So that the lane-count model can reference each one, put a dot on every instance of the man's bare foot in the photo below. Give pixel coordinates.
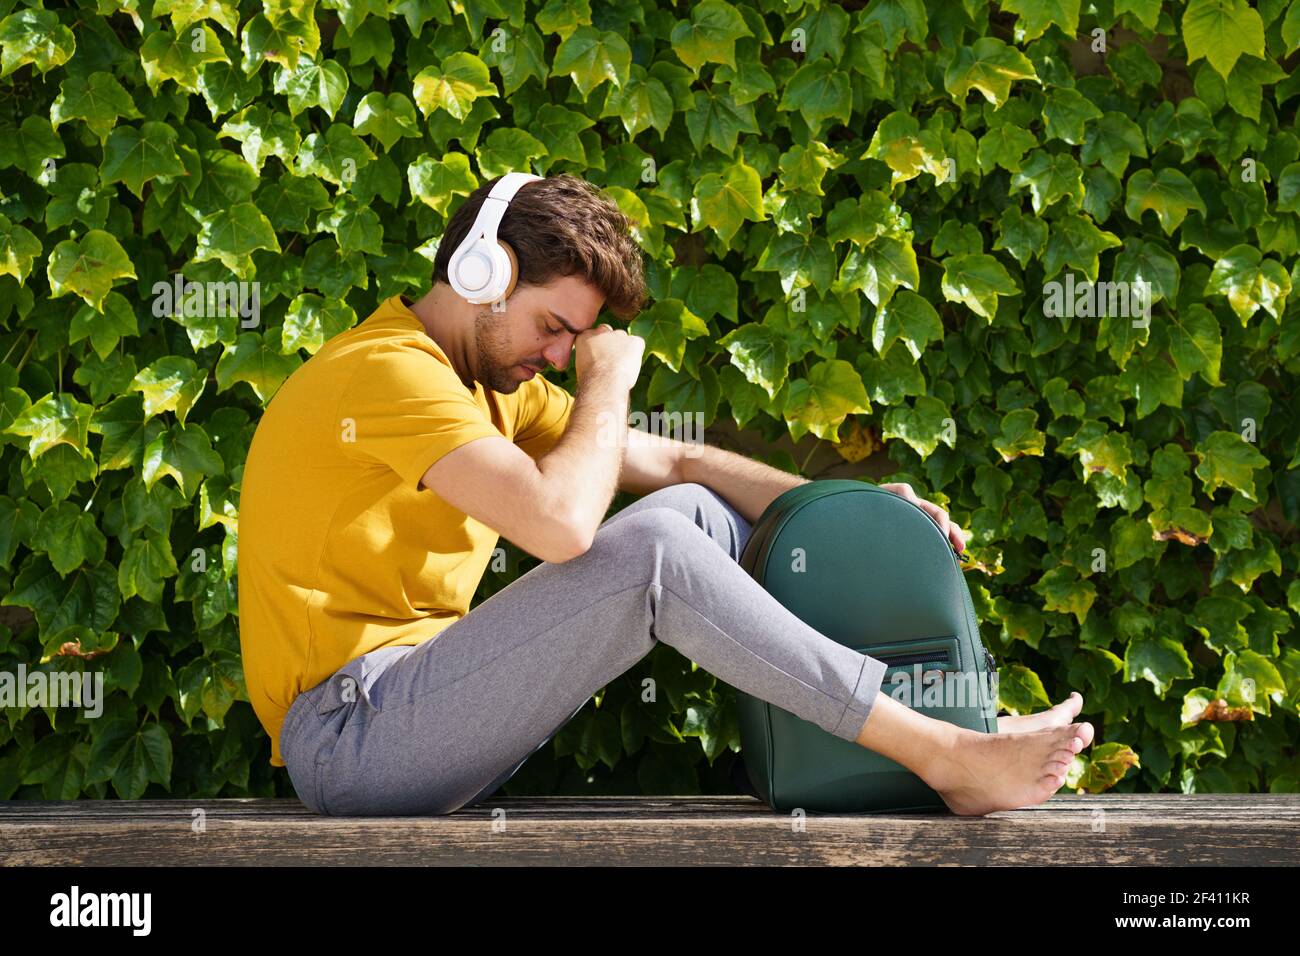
(1058, 716)
(981, 773)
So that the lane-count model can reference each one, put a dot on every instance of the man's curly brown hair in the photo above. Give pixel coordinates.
(560, 226)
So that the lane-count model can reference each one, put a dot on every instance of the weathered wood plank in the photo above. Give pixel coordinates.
(1284, 806)
(1119, 829)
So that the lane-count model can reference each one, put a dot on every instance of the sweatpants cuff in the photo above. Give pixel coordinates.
(862, 699)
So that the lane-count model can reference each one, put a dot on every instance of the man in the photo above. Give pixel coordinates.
(386, 468)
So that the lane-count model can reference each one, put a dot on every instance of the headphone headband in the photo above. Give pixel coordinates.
(480, 270)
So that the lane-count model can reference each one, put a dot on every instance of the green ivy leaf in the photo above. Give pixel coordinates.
(800, 260)
(1249, 680)
(1050, 177)
(1022, 236)
(183, 453)
(683, 392)
(1169, 492)
(1020, 690)
(232, 235)
(136, 156)
(1157, 658)
(1168, 193)
(989, 66)
(1099, 450)
(177, 56)
(1219, 618)
(36, 37)
(336, 157)
(524, 57)
(879, 269)
(1017, 435)
(312, 321)
(832, 391)
(976, 281)
(264, 133)
(68, 534)
(818, 92)
(642, 103)
(1148, 11)
(710, 35)
(1221, 31)
(171, 384)
(1112, 141)
(717, 121)
(258, 360)
(82, 603)
(1037, 15)
(759, 353)
(1250, 282)
(280, 42)
(507, 150)
(387, 118)
(900, 143)
(1004, 146)
(436, 182)
(1066, 113)
(1196, 343)
(1291, 28)
(1106, 765)
(1228, 461)
(1076, 241)
(18, 249)
(909, 319)
(99, 101)
(53, 420)
(145, 566)
(1063, 591)
(666, 326)
(356, 227)
(453, 85)
(707, 291)
(591, 57)
(724, 201)
(1153, 381)
(923, 426)
(88, 267)
(131, 757)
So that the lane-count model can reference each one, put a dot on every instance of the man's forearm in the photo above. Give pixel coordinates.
(748, 486)
(581, 471)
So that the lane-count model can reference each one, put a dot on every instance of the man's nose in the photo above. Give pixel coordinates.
(558, 354)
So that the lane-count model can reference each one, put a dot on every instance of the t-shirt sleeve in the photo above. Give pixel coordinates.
(543, 415)
(406, 409)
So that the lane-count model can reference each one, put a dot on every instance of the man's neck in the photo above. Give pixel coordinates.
(433, 309)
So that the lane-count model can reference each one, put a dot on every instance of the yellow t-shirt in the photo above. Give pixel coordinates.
(341, 550)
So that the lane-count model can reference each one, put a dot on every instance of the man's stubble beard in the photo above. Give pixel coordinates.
(490, 346)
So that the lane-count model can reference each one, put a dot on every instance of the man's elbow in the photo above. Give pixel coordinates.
(578, 546)
(572, 540)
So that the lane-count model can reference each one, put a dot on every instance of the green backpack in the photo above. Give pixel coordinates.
(870, 570)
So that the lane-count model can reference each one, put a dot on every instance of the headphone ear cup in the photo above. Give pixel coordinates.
(467, 272)
(513, 268)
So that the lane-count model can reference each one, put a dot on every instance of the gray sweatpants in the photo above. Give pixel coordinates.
(431, 728)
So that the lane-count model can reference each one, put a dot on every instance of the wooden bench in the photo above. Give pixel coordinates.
(1111, 829)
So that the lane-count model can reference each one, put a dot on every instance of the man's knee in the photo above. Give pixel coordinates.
(684, 496)
(638, 543)
(636, 529)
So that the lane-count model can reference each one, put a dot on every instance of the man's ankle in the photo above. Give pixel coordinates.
(942, 755)
(925, 745)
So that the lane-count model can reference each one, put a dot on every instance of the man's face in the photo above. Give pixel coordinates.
(537, 329)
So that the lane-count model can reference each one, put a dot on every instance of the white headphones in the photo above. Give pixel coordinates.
(483, 269)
